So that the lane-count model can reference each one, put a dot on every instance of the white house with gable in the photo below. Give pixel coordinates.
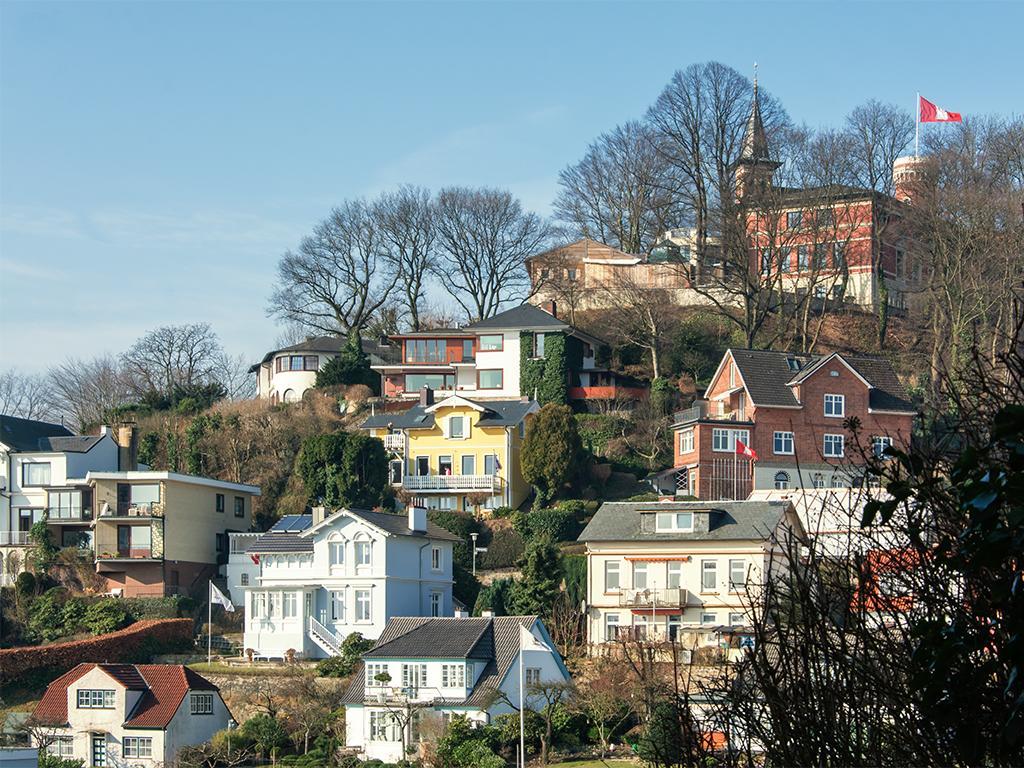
(424, 669)
(350, 571)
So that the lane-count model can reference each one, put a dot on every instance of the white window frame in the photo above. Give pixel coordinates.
(729, 436)
(364, 606)
(62, 746)
(686, 440)
(461, 421)
(640, 574)
(453, 675)
(289, 605)
(200, 703)
(671, 522)
(95, 698)
(28, 466)
(835, 405)
(708, 567)
(612, 567)
(436, 603)
(736, 619)
(737, 566)
(414, 676)
(436, 561)
(363, 547)
(708, 618)
(374, 668)
(878, 444)
(336, 553)
(779, 443)
(138, 746)
(828, 446)
(674, 575)
(338, 606)
(611, 620)
(781, 480)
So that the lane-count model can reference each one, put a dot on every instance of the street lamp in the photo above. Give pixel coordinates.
(473, 537)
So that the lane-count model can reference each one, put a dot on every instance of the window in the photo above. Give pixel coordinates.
(91, 698)
(435, 558)
(201, 703)
(259, 605)
(220, 543)
(837, 482)
(220, 502)
(833, 446)
(336, 549)
(611, 627)
(611, 575)
(838, 255)
(820, 257)
(639, 575)
(783, 442)
(802, 260)
(453, 675)
(878, 445)
(373, 669)
(737, 574)
(794, 218)
(425, 350)
(781, 481)
(826, 218)
(383, 726)
(686, 441)
(363, 553)
(62, 746)
(708, 575)
(571, 274)
(835, 405)
(492, 343)
(138, 746)
(538, 345)
(785, 259)
(416, 381)
(469, 465)
(818, 481)
(766, 261)
(414, 676)
(708, 617)
(724, 440)
(456, 427)
(244, 579)
(490, 379)
(274, 604)
(291, 605)
(67, 505)
(900, 261)
(673, 521)
(239, 506)
(35, 473)
(362, 605)
(675, 575)
(338, 605)
(435, 603)
(736, 619)
(533, 675)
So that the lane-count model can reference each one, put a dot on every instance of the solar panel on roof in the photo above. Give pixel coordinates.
(292, 523)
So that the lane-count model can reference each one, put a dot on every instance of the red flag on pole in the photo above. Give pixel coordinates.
(745, 450)
(932, 113)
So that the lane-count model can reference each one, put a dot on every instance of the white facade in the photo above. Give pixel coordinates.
(346, 574)
(379, 725)
(286, 376)
(241, 570)
(101, 735)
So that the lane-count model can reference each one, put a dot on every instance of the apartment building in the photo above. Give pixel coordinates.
(671, 571)
(457, 453)
(326, 576)
(429, 669)
(791, 410)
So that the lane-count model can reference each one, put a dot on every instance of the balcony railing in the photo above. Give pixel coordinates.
(13, 538)
(489, 483)
(58, 516)
(240, 542)
(128, 553)
(674, 597)
(134, 509)
(704, 410)
(394, 442)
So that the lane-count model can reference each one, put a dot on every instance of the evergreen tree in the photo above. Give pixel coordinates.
(344, 469)
(552, 452)
(536, 591)
(351, 366)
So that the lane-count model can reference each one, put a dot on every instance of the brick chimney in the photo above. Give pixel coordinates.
(127, 438)
(426, 396)
(319, 513)
(550, 307)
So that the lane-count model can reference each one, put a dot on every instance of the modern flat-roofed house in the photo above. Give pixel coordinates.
(325, 577)
(127, 714)
(671, 571)
(429, 668)
(791, 410)
(452, 452)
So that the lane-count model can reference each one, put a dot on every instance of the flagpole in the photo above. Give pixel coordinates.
(522, 727)
(209, 623)
(735, 472)
(917, 123)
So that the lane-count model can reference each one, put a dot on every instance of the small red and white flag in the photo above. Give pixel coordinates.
(745, 450)
(933, 113)
(255, 559)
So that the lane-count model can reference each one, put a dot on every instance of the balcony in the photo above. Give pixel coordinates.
(133, 509)
(129, 553)
(487, 483)
(240, 542)
(68, 517)
(674, 597)
(395, 443)
(13, 538)
(702, 410)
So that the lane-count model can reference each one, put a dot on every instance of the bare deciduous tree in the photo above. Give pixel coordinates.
(25, 395)
(406, 221)
(485, 237)
(878, 133)
(338, 278)
(173, 356)
(642, 316)
(86, 391)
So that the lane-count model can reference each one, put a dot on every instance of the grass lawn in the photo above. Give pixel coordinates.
(245, 670)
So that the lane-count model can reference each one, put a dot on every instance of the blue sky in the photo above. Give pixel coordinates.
(157, 158)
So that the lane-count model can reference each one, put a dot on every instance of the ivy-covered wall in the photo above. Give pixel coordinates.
(546, 377)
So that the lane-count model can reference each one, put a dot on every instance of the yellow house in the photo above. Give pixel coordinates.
(452, 453)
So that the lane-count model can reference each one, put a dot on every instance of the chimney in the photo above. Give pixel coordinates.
(426, 396)
(488, 614)
(319, 513)
(127, 438)
(417, 519)
(550, 307)
(460, 614)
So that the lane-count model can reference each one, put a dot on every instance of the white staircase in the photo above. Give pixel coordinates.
(322, 636)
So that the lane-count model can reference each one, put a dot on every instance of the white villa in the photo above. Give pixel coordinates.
(118, 715)
(351, 571)
(425, 669)
(681, 571)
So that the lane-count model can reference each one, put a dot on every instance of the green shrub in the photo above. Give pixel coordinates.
(266, 733)
(352, 647)
(140, 608)
(25, 585)
(105, 616)
(504, 549)
(460, 524)
(46, 760)
(496, 597)
(553, 524)
(503, 512)
(46, 615)
(466, 587)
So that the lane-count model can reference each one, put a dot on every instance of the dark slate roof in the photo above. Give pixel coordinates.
(26, 434)
(500, 413)
(379, 354)
(768, 375)
(755, 141)
(439, 638)
(274, 541)
(727, 521)
(399, 525)
(524, 316)
(72, 444)
(498, 643)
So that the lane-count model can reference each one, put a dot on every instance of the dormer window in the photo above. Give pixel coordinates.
(457, 427)
(92, 698)
(793, 363)
(670, 522)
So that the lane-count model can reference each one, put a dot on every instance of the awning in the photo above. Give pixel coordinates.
(658, 611)
(659, 558)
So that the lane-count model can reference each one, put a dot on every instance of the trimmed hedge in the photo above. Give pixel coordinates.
(142, 639)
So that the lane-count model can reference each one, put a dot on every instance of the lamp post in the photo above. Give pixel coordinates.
(473, 537)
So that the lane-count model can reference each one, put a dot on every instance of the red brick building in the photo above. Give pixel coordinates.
(791, 409)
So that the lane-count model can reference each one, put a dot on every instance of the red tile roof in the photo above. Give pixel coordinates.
(164, 687)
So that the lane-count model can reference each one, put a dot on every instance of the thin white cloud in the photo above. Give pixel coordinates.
(20, 269)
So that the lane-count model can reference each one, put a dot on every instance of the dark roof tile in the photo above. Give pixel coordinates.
(26, 434)
(728, 520)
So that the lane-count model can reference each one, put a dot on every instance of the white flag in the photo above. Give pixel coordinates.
(218, 598)
(528, 642)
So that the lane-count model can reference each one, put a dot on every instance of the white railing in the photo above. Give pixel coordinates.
(489, 483)
(240, 542)
(674, 597)
(322, 634)
(394, 442)
(13, 538)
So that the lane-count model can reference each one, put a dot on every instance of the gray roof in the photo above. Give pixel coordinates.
(299, 539)
(26, 434)
(524, 316)
(379, 354)
(275, 541)
(499, 413)
(71, 444)
(726, 520)
(398, 525)
(768, 374)
(497, 641)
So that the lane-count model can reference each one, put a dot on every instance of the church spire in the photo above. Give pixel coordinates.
(755, 165)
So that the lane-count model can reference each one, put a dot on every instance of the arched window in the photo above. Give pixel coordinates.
(336, 550)
(818, 480)
(781, 481)
(363, 550)
(290, 396)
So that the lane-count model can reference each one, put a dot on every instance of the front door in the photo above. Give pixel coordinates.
(124, 540)
(99, 750)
